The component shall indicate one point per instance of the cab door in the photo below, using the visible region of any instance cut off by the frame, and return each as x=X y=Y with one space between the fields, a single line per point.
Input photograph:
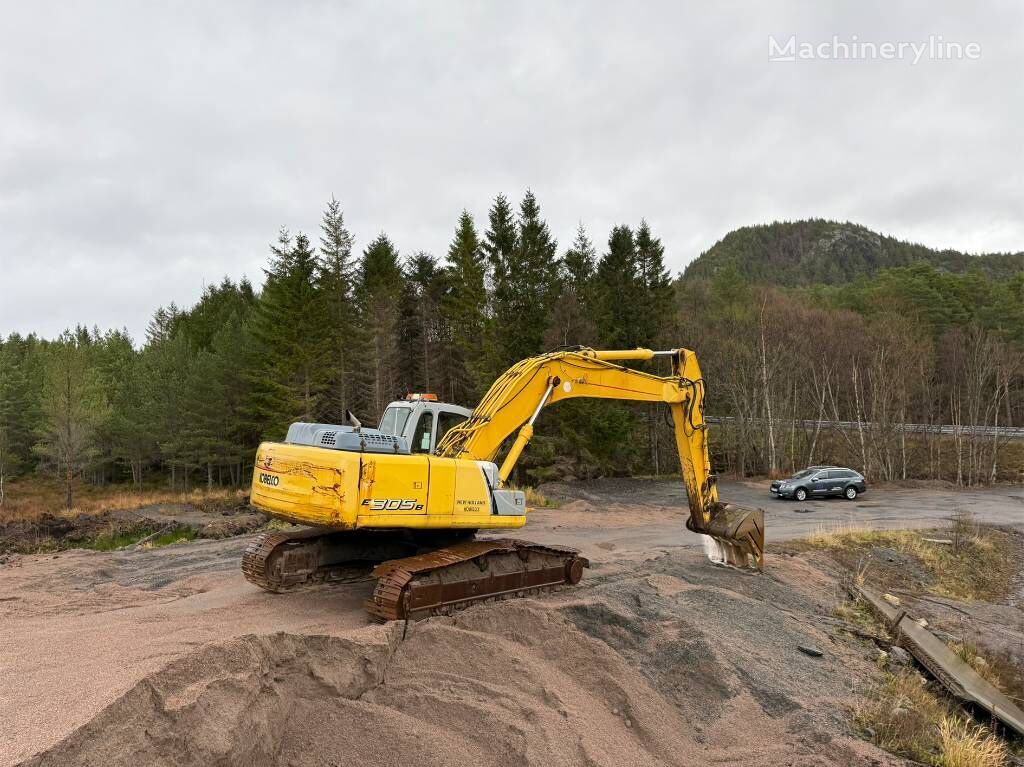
x=422 y=439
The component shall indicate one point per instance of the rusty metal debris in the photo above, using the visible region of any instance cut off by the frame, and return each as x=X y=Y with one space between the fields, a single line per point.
x=932 y=653
x=457 y=576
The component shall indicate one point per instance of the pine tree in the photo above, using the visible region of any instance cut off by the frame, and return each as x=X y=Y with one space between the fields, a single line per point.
x=380 y=288
x=465 y=309
x=73 y=406
x=344 y=346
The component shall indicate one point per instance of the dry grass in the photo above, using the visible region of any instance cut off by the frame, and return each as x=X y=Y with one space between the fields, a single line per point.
x=977 y=565
x=969 y=654
x=968 y=745
x=535 y=499
x=27 y=500
x=903 y=716
x=857 y=613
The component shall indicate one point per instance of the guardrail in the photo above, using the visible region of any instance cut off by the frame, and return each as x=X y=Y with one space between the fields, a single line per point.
x=1000 y=432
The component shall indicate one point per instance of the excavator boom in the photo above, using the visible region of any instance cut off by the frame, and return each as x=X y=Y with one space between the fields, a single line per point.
x=516 y=399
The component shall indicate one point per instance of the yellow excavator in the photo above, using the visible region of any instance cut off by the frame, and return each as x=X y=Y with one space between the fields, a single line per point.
x=410 y=495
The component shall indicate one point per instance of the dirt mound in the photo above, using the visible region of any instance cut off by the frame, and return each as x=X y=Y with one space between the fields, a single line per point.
x=113 y=529
x=620 y=677
x=51 y=532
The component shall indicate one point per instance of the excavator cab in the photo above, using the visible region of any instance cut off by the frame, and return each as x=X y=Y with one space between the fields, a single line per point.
x=422 y=420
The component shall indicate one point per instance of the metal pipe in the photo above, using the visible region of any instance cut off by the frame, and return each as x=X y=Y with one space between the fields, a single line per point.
x=543 y=401
x=523 y=438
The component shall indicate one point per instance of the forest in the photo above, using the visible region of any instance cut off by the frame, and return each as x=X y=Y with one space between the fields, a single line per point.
x=894 y=336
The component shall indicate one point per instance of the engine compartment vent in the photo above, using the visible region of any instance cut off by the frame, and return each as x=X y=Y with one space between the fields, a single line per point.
x=333 y=437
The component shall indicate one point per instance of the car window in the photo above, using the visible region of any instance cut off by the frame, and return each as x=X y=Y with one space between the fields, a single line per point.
x=802 y=474
x=446 y=421
x=836 y=474
x=393 y=421
x=421 y=437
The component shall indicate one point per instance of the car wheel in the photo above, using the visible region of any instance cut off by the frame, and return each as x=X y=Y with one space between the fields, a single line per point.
x=850 y=493
x=800 y=494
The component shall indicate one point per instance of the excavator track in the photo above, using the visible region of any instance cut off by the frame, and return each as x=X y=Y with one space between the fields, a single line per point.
x=284 y=560
x=457 y=576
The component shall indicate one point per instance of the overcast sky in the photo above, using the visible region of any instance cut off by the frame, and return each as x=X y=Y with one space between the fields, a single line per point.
x=147 y=149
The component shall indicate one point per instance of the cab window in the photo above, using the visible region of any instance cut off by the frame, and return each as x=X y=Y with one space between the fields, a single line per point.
x=447 y=421
x=421 y=437
x=393 y=421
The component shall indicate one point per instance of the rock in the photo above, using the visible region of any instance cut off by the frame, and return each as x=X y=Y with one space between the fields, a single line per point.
x=809 y=649
x=898 y=656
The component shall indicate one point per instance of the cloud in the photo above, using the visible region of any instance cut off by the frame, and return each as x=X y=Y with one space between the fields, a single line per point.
x=148 y=149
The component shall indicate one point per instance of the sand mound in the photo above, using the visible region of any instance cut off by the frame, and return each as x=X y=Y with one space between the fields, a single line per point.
x=622 y=674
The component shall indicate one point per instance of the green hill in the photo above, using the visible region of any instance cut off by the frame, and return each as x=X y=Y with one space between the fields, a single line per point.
x=796 y=253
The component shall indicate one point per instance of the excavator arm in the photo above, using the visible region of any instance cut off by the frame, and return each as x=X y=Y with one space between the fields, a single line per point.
x=516 y=399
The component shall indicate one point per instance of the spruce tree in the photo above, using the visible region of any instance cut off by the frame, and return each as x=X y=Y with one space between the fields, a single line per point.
x=421 y=357
x=465 y=309
x=380 y=288
x=656 y=284
x=16 y=411
x=501 y=237
x=620 y=292
x=168 y=365
x=344 y=346
x=654 y=324
x=289 y=330
x=572 y=322
x=525 y=287
x=126 y=430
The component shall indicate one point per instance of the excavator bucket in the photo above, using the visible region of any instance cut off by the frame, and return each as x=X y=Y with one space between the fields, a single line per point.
x=736 y=534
